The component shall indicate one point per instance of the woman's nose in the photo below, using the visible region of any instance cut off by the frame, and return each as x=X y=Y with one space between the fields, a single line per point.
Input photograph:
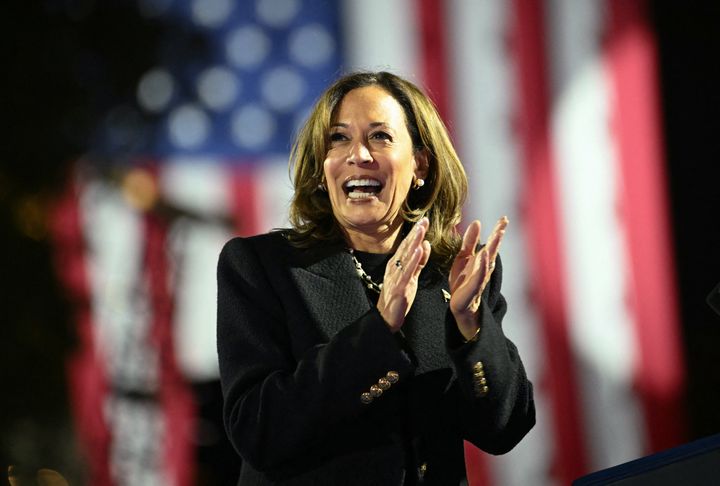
x=359 y=154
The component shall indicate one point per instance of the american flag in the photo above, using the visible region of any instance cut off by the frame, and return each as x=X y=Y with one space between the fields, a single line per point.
x=553 y=107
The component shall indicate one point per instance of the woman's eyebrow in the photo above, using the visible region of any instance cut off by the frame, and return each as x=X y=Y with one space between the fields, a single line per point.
x=371 y=125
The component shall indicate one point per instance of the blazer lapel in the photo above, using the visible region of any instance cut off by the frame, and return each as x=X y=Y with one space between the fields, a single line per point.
x=330 y=288
x=335 y=297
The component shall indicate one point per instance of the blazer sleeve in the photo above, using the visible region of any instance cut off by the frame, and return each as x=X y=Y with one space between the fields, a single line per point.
x=278 y=407
x=492 y=392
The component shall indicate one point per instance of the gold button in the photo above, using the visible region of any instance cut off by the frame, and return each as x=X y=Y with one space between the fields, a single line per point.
x=482 y=381
x=478 y=366
x=392 y=376
x=384 y=383
x=366 y=398
x=483 y=391
x=479 y=374
x=422 y=470
x=375 y=391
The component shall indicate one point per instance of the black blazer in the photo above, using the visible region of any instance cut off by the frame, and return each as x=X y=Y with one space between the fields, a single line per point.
x=318 y=390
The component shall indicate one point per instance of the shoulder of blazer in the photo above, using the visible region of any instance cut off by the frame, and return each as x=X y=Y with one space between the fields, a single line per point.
x=272 y=246
x=321 y=274
x=274 y=251
x=272 y=241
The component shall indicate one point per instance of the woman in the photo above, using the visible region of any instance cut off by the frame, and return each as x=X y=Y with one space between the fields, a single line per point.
x=363 y=345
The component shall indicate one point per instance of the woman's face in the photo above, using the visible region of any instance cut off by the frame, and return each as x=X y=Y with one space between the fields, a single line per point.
x=370 y=163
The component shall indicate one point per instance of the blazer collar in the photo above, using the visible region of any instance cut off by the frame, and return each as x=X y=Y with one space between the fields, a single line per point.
x=332 y=291
x=335 y=296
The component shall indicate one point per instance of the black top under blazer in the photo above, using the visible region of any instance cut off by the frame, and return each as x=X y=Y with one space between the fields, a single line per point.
x=318 y=391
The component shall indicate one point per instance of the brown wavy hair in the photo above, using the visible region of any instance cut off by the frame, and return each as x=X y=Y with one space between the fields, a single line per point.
x=440 y=199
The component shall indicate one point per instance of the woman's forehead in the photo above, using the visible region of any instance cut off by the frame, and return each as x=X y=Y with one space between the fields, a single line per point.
x=371 y=103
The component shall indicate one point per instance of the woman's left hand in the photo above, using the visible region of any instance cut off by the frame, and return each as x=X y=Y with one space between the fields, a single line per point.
x=470 y=272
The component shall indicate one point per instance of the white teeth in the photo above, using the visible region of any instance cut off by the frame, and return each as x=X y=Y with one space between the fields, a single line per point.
x=362 y=182
x=360 y=195
x=363 y=194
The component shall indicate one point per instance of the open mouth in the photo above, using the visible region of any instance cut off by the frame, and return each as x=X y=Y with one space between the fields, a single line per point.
x=362 y=188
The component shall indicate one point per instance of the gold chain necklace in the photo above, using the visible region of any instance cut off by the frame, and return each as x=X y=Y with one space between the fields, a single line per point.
x=369 y=282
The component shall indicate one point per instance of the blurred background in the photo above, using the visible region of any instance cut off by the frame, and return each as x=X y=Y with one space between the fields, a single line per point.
x=138 y=136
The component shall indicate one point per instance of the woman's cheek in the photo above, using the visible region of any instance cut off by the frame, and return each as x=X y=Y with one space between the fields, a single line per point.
x=329 y=166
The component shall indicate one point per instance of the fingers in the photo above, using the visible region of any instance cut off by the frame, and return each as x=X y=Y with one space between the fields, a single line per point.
x=477 y=271
x=425 y=256
x=462 y=264
x=413 y=265
x=411 y=257
x=471 y=238
x=401 y=272
x=486 y=257
x=410 y=266
x=493 y=244
x=417 y=235
x=471 y=280
x=411 y=242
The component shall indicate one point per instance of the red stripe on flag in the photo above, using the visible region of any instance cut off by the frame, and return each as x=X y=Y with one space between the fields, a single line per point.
x=433 y=59
x=632 y=63
x=244 y=202
x=476 y=466
x=176 y=400
x=86 y=372
x=541 y=216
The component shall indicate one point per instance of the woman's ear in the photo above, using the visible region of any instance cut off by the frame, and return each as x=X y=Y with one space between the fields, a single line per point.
x=422 y=164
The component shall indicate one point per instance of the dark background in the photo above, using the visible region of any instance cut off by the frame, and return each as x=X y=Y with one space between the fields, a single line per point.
x=688 y=37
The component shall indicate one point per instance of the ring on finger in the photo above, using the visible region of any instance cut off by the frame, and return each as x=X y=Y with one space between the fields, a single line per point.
x=398 y=264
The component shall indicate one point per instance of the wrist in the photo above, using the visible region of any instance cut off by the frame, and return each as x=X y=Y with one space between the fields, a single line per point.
x=390 y=322
x=467 y=326
x=474 y=337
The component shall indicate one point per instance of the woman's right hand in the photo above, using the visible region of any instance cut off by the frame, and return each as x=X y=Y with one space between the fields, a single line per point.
x=401 y=279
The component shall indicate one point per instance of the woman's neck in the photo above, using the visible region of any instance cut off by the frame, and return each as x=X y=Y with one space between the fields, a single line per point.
x=378 y=241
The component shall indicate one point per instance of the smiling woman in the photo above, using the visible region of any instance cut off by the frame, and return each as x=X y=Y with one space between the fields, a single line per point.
x=439 y=196
x=363 y=345
x=369 y=168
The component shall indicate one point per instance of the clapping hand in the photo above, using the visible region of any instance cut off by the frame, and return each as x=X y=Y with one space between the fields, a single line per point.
x=470 y=273
x=401 y=276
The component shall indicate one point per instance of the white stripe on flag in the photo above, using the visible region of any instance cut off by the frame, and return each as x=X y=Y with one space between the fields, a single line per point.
x=202 y=187
x=114 y=236
x=274 y=193
x=484 y=108
x=381 y=35
x=600 y=323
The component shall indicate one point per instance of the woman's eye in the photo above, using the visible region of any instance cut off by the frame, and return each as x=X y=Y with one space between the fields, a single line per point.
x=381 y=136
x=337 y=137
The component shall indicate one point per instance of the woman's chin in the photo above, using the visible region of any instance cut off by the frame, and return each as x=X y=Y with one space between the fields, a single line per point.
x=367 y=223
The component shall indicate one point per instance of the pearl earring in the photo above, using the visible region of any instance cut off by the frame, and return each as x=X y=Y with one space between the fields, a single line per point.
x=418 y=183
